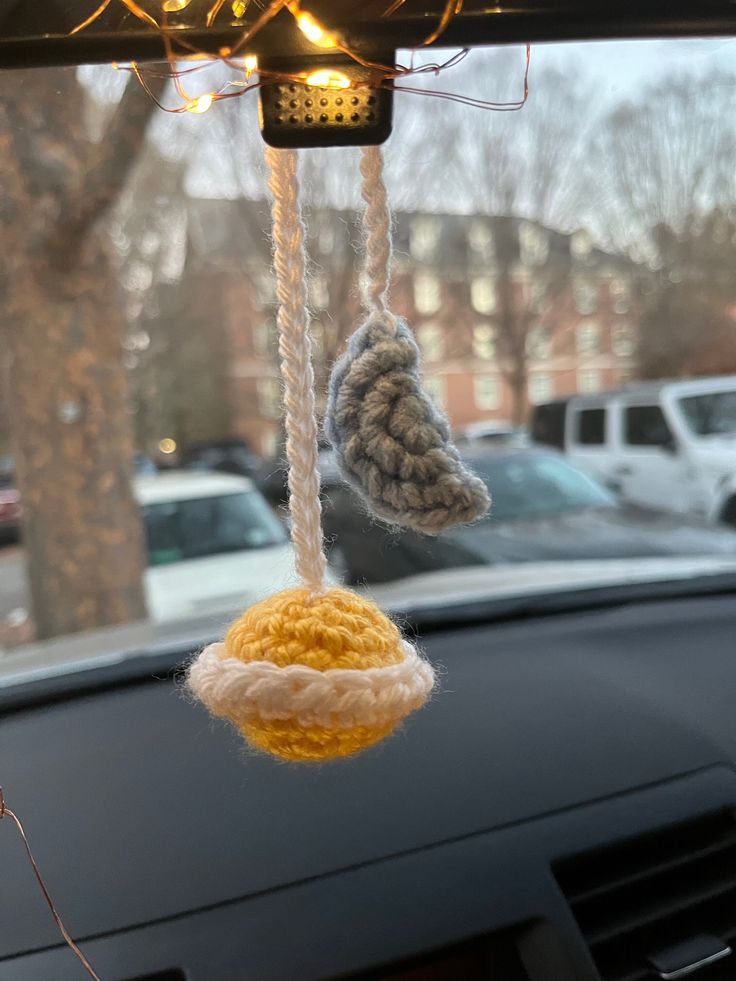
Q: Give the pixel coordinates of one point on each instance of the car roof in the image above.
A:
(504, 452)
(638, 390)
(183, 485)
(491, 427)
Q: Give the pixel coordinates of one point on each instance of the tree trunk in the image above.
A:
(81, 526)
(517, 384)
(62, 323)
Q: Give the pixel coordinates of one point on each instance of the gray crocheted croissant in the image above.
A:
(392, 444)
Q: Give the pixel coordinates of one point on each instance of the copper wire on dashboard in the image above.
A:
(5, 812)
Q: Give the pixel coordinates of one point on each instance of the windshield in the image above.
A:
(179, 530)
(713, 414)
(534, 485)
(524, 486)
(556, 263)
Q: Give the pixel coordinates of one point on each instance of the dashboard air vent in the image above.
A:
(662, 905)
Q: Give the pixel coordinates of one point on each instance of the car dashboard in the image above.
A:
(564, 810)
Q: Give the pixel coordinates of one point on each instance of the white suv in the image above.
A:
(665, 444)
(214, 545)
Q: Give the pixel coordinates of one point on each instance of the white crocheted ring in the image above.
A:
(247, 691)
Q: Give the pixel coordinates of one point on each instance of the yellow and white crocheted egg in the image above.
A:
(312, 677)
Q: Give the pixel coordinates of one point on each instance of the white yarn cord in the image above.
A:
(377, 232)
(296, 368)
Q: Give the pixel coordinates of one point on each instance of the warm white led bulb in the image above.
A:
(201, 104)
(328, 78)
(313, 30)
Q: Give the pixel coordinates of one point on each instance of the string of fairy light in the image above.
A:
(244, 64)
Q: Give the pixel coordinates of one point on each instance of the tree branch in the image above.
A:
(106, 173)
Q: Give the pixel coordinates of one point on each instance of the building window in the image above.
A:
(486, 392)
(591, 427)
(326, 237)
(427, 293)
(480, 239)
(589, 380)
(317, 330)
(588, 337)
(320, 292)
(264, 339)
(620, 291)
(622, 340)
(540, 387)
(265, 288)
(580, 244)
(269, 397)
(431, 341)
(483, 294)
(537, 293)
(585, 294)
(533, 244)
(538, 343)
(260, 340)
(269, 444)
(424, 236)
(484, 341)
(435, 387)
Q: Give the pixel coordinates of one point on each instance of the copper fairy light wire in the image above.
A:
(321, 35)
(468, 100)
(390, 79)
(5, 812)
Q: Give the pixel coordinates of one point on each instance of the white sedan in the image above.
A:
(213, 544)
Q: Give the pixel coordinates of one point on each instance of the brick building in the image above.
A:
(507, 313)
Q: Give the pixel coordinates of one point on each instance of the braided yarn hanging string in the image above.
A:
(314, 672)
(300, 422)
(392, 443)
(376, 273)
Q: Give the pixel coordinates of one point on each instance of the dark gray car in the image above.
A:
(543, 510)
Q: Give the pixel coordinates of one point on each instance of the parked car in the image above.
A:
(143, 464)
(214, 545)
(9, 502)
(544, 509)
(226, 455)
(490, 433)
(665, 444)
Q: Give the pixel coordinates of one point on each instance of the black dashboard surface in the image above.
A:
(143, 811)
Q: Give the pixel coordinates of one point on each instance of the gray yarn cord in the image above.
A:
(392, 443)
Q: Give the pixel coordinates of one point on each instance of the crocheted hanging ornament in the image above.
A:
(312, 673)
(393, 445)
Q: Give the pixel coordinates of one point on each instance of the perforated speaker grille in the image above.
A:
(294, 114)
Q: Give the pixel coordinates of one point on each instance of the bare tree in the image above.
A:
(663, 185)
(656, 161)
(519, 164)
(688, 320)
(62, 326)
(493, 163)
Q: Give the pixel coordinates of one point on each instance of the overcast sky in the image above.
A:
(611, 71)
(622, 67)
